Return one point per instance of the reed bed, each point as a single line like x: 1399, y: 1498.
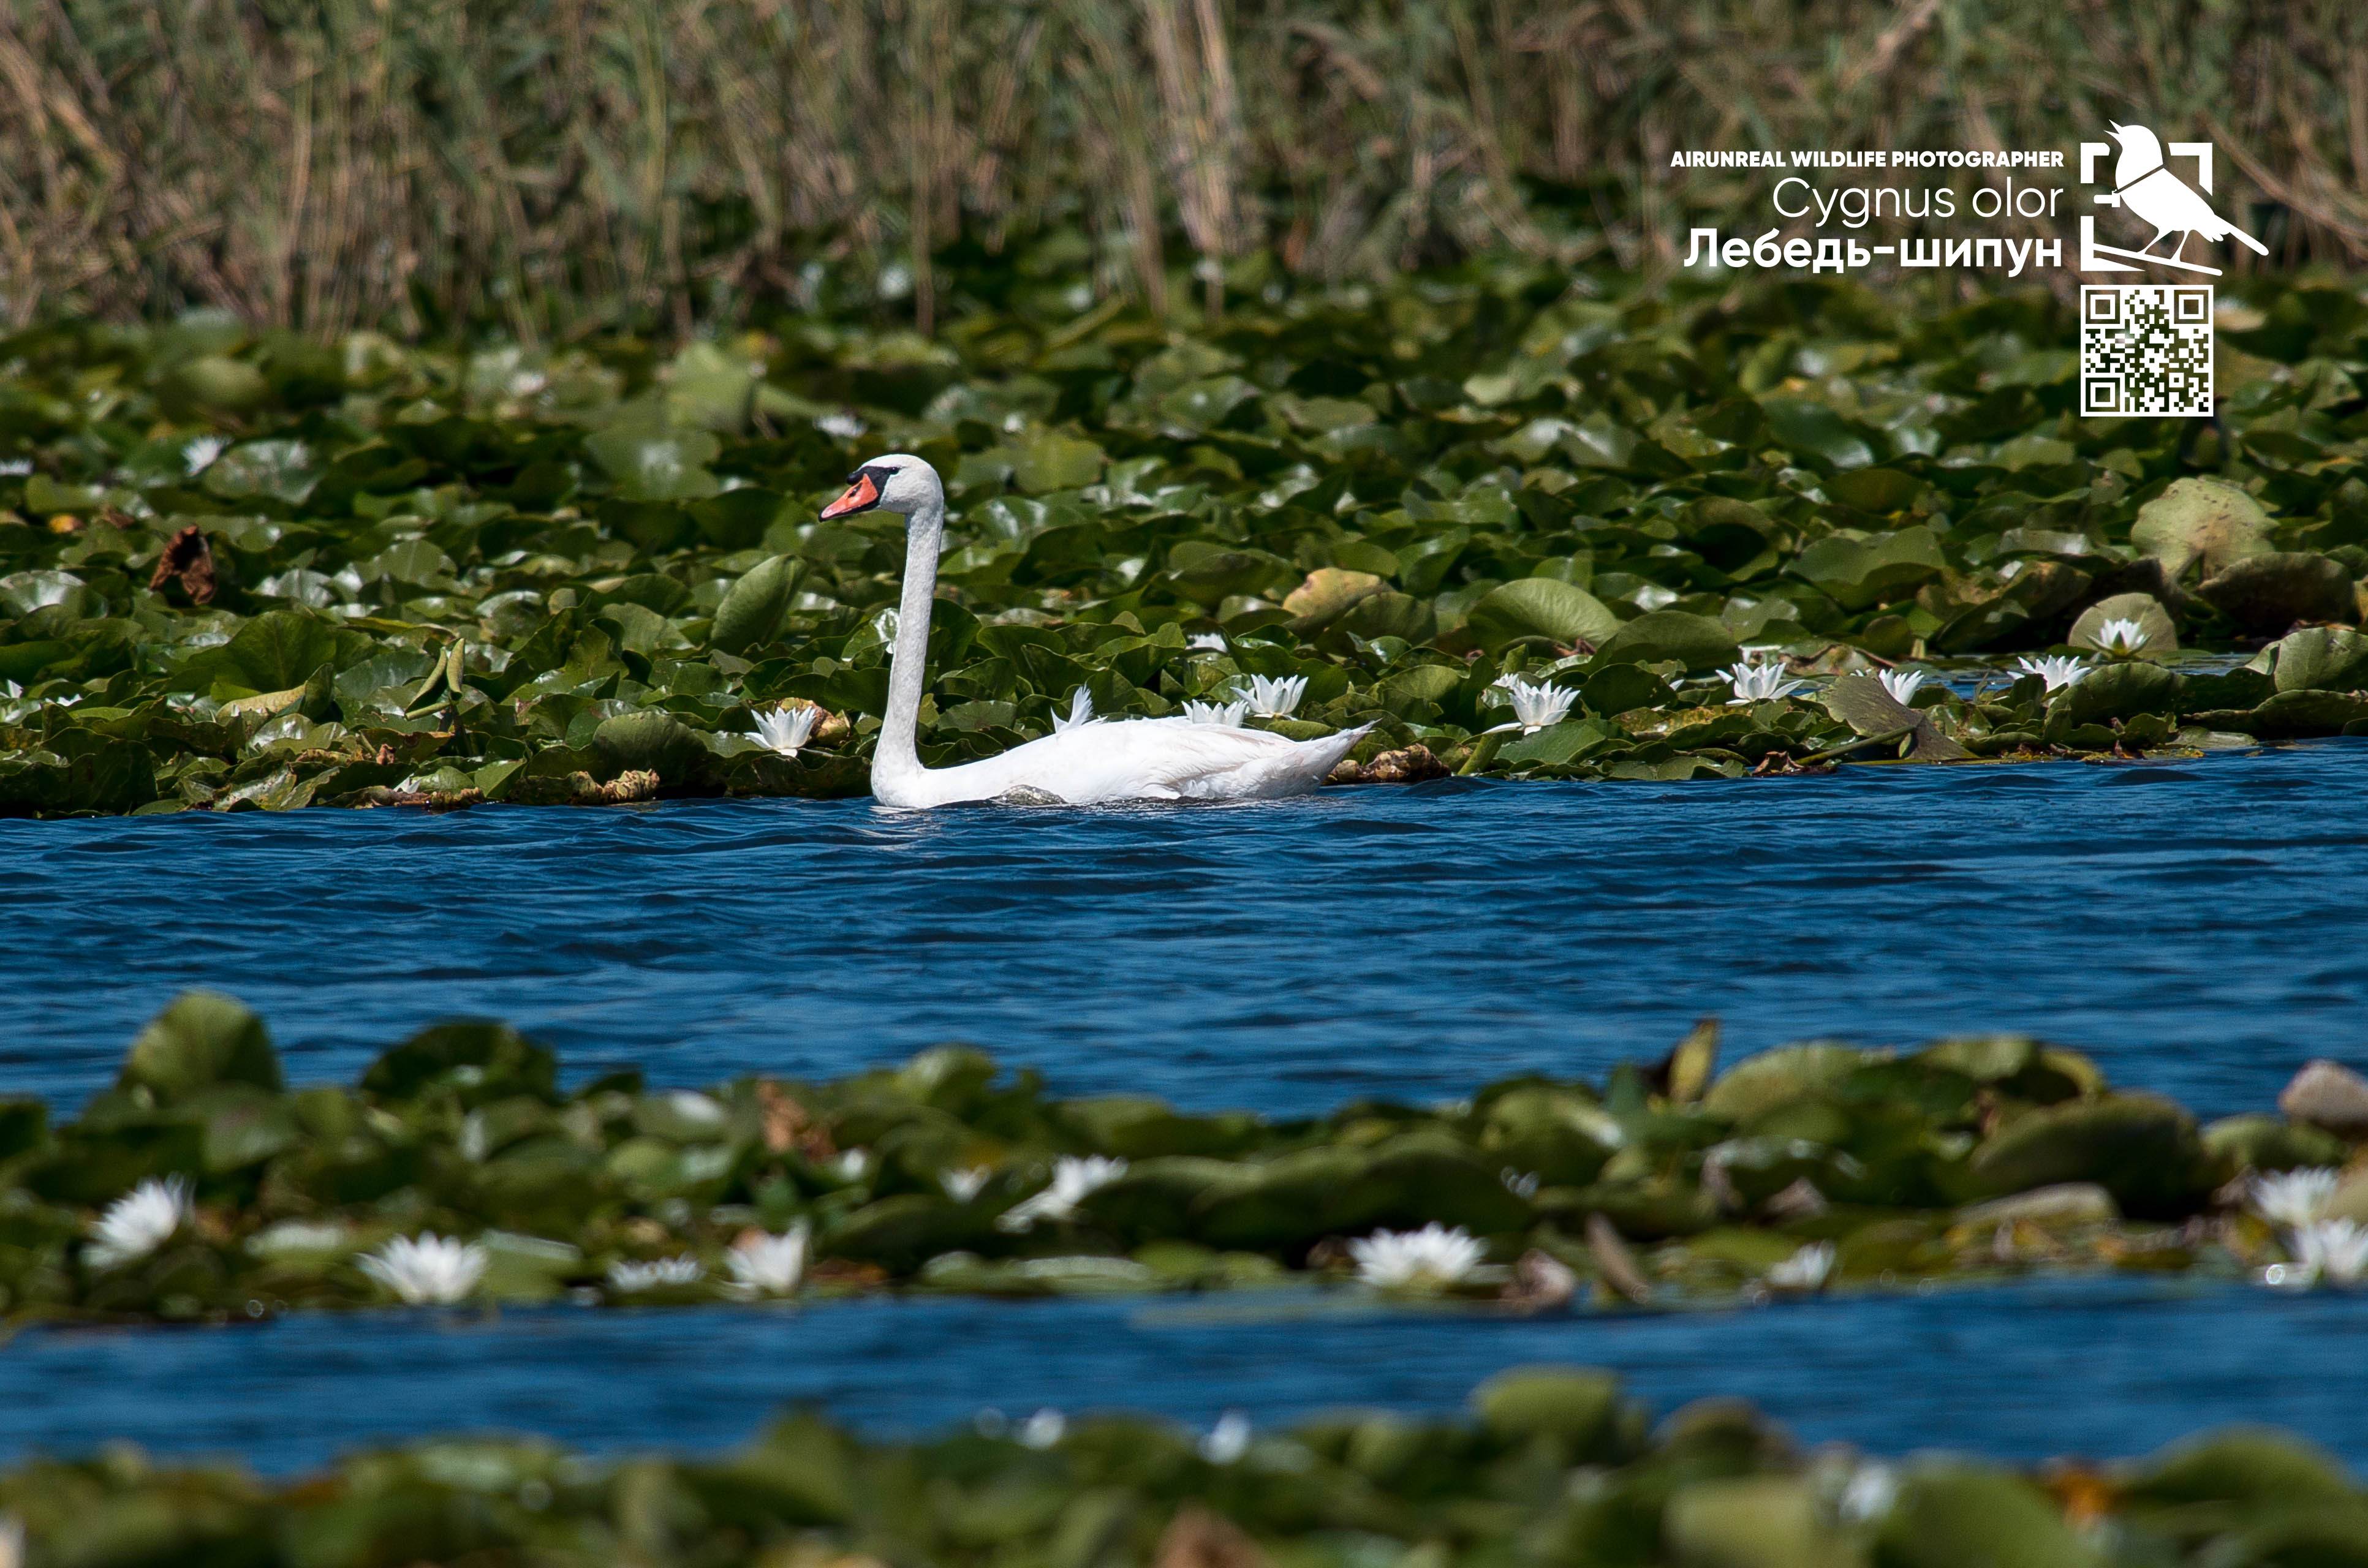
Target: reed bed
x: 545, y: 167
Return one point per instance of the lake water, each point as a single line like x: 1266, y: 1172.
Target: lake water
x: 2197, y: 926
x: 2099, y: 1368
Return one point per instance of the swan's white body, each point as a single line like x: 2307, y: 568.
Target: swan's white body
x: 1089, y: 764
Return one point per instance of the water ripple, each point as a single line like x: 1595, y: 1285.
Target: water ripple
x: 2196, y: 926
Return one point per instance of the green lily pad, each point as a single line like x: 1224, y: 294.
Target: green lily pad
x: 1055, y: 461
x: 478, y: 1062
x: 651, y: 742
x: 1542, y: 608
x: 1769, y: 1079
x: 2201, y: 520
x: 657, y: 465
x: 2143, y: 1150
x: 1859, y: 573
x: 1329, y: 594
x: 2267, y: 593
x: 1695, y: 642
x: 2321, y: 658
x: 2294, y: 713
x: 1578, y: 1413
x: 2119, y: 691
x: 750, y: 616
x: 2154, y: 623
x: 201, y: 1040
x: 1951, y: 1517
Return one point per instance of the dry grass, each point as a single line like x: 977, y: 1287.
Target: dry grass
x: 547, y: 166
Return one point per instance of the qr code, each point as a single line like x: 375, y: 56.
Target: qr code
x: 2145, y: 348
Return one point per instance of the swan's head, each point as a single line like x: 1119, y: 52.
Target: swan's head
x: 897, y: 482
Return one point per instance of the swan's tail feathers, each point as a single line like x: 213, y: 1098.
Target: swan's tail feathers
x: 1332, y: 749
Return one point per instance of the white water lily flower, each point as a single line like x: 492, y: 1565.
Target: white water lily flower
x: 1759, y: 676
x: 2058, y: 670
x: 2121, y: 637
x: 1520, y: 1184
x: 1073, y: 1180
x: 1534, y: 707
x: 630, y: 1279
x: 1206, y: 642
x: 1042, y: 1429
x: 202, y: 453
x: 16, y: 468
x: 1871, y: 1491
x: 786, y: 730
x: 1229, y: 714
x: 1903, y: 685
x: 1228, y: 1440
x: 1276, y: 696
x: 141, y: 1221
x: 851, y: 1165
x: 1429, y: 1258
x: 2334, y: 1251
x: 1081, y: 712
x: 2292, y: 1199
x: 965, y: 1185
x: 767, y: 1265
x: 840, y: 426
x: 1807, y: 1269
x: 427, y: 1269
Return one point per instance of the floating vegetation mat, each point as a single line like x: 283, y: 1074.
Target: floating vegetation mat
x: 1520, y: 527
x: 1553, y: 1467
x: 201, y: 1188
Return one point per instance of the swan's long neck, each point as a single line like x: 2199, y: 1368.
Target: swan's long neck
x: 895, y: 762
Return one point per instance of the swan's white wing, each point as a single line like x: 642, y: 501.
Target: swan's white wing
x: 1149, y: 759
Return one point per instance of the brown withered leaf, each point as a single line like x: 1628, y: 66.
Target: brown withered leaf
x: 1199, y: 1537
x: 190, y: 560
x: 1540, y: 1280
x: 1409, y: 765
x: 1613, y: 1261
x: 789, y: 1125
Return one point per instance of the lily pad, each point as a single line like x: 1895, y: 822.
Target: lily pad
x: 750, y: 615
x: 1329, y: 594
x: 1542, y: 608
x: 2267, y: 593
x: 649, y: 742
x: 2143, y: 1150
x: 1695, y: 642
x: 2322, y: 658
x: 203, y: 1039
x: 2119, y: 691
x: 2154, y: 622
x: 2205, y: 521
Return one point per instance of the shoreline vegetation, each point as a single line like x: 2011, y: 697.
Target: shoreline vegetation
x: 201, y: 1188
x: 1550, y: 1466
x: 556, y: 168
x: 1523, y: 526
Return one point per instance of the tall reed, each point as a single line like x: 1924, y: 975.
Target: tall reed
x: 545, y: 166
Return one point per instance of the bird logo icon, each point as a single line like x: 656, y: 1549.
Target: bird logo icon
x: 2145, y: 186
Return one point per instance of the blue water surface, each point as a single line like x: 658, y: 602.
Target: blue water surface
x: 2198, y: 925
x: 2103, y: 1368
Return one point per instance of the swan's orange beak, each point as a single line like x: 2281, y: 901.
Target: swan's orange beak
x: 859, y: 497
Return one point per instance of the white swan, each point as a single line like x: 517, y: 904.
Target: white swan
x: 1088, y: 764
